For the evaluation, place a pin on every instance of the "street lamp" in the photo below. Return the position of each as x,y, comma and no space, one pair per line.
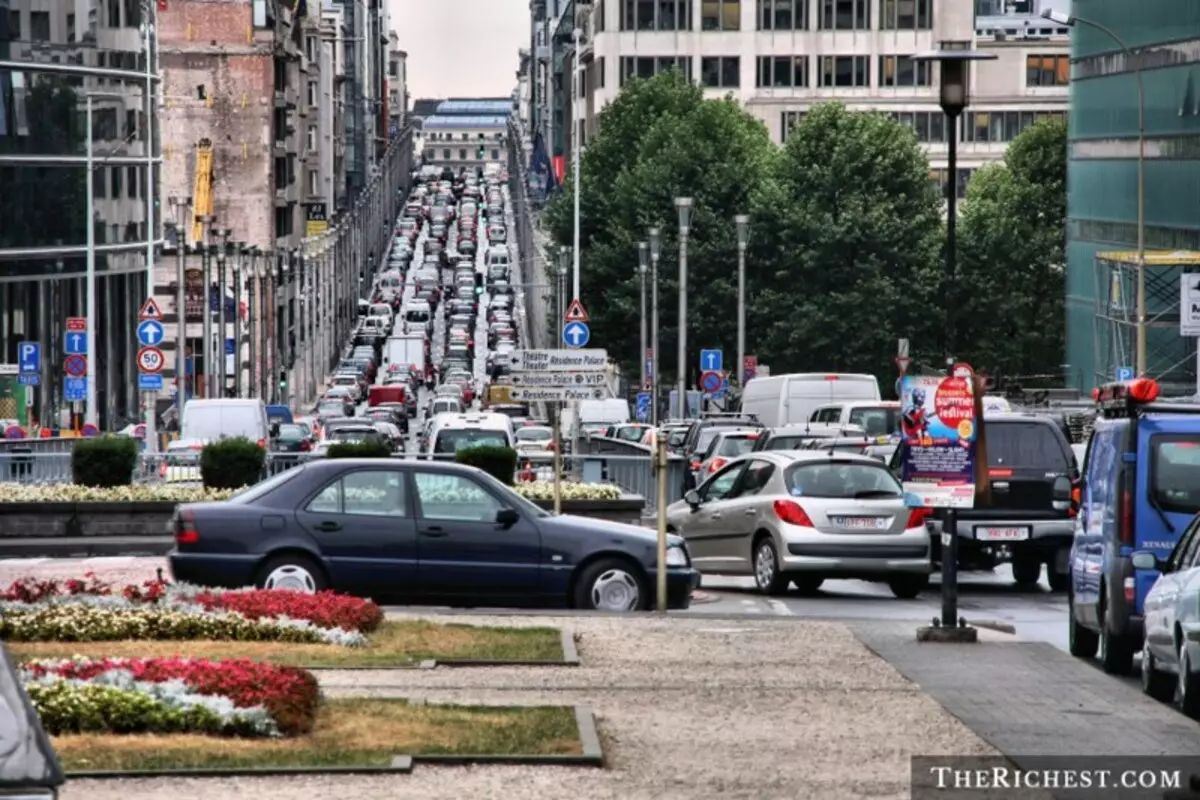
655,251
564,258
643,268
577,34
742,221
1135,63
954,97
684,206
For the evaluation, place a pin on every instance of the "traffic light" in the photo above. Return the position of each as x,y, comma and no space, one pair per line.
283,379
478,284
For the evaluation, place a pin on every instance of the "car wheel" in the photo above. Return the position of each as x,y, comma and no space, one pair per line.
1155,682
766,568
906,587
1116,654
1026,572
807,585
1082,643
611,585
1187,689
293,573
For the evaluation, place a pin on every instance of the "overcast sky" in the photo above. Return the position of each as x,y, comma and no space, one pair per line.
461,48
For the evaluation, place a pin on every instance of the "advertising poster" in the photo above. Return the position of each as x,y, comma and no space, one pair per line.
938,428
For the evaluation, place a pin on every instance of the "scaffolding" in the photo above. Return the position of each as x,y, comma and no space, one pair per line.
202,194
1170,359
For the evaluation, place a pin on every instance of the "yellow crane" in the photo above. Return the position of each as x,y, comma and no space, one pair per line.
202,198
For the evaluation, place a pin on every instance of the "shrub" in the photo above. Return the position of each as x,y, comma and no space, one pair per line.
104,461
499,462
359,450
231,463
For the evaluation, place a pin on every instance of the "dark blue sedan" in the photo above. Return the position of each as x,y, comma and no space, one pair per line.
420,531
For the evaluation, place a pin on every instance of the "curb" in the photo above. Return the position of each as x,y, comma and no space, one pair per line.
570,659
994,625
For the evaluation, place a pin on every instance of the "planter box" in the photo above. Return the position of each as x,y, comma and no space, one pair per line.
627,509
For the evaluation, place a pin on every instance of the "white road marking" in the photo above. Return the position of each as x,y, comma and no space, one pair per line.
779,607
22,562
747,602
109,561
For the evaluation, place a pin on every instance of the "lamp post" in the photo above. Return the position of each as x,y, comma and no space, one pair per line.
218,365
655,251
643,268
954,96
742,222
577,34
684,206
182,226
1135,63
239,266
564,258
252,287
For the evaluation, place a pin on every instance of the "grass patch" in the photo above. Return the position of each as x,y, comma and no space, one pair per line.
395,644
348,733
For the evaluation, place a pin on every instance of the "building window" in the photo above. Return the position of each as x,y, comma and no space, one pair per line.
721,15
131,180
114,180
845,15
954,44
495,155
446,155
649,66
783,15
598,17
928,126
600,68
937,177
14,25
782,71
655,15
844,71
720,72
314,182
312,138
310,50
39,26
462,154
903,71
114,13
463,136
1001,126
133,13
787,121
312,94
905,15
1047,70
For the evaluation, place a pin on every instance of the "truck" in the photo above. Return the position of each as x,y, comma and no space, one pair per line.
405,348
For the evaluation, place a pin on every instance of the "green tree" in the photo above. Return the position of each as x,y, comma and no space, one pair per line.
854,260
1011,271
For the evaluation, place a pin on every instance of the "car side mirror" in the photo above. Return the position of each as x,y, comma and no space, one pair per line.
507,517
692,498
1144,559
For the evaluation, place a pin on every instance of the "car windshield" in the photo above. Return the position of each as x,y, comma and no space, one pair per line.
843,480
876,421
735,446
353,435
453,440
291,432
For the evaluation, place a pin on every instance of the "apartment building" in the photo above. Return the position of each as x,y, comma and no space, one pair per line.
467,133
397,85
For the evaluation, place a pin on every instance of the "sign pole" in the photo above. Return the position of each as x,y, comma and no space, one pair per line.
90,411
558,459
660,570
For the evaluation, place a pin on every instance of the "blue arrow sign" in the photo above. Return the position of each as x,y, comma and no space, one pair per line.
643,407
75,343
712,360
149,333
576,334
29,357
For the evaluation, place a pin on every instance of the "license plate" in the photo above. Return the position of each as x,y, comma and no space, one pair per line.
1016,533
860,523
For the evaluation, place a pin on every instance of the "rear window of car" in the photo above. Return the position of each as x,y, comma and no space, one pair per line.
877,421
1020,445
787,442
735,446
841,480
1175,472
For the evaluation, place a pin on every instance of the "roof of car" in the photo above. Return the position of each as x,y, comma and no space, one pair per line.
786,457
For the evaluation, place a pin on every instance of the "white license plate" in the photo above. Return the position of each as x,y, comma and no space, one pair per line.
861,523
1015,533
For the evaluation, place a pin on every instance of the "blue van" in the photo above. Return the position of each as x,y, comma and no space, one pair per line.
1141,489
279,415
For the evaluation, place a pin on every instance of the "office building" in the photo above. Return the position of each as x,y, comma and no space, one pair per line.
397,85
465,133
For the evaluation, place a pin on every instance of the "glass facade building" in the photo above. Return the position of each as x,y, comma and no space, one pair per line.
54,56
1163,37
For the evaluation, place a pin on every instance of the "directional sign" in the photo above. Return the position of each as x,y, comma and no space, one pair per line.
576,334
595,360
75,390
642,409
711,382
576,312
150,310
151,359
149,333
74,343
75,365
150,381
712,360
77,324
576,379
29,357
1124,373
558,393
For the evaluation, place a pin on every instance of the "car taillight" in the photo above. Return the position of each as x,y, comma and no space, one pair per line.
917,517
1126,524
185,528
789,511
1000,473
695,465
716,464
550,445
305,445
1076,499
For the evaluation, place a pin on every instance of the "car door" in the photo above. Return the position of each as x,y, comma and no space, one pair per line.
704,528
740,510
1163,600
463,551
364,527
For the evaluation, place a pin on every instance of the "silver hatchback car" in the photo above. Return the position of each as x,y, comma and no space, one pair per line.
803,516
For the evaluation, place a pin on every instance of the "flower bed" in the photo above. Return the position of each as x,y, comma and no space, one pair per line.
544,490
171,695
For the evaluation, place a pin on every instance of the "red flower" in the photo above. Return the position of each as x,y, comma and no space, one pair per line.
323,609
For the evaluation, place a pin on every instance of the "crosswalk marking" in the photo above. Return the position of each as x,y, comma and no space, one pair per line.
779,607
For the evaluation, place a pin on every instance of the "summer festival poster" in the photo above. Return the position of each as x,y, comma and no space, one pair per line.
938,429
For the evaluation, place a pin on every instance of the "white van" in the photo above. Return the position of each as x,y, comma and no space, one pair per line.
876,418
789,399
417,311
496,256
445,405
454,432
206,421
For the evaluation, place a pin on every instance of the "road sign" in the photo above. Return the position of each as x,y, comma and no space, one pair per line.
902,348
75,365
29,379
576,312
151,359
1124,373
556,393
712,360
710,382
576,334
150,310
29,357
577,379
75,390
149,333
89,429
150,381
594,360
902,363
749,369
642,408
77,324
74,343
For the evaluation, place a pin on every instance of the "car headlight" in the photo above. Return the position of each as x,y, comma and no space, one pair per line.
676,557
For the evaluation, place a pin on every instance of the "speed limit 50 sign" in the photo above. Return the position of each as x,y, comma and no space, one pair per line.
151,359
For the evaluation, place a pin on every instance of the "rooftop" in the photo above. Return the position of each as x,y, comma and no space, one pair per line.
482,107
463,121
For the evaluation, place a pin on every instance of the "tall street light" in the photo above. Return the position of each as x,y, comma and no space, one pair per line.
655,251
576,103
643,268
684,206
742,221
954,97
564,259
1135,63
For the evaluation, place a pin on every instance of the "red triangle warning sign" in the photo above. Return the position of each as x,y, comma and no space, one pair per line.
575,312
150,310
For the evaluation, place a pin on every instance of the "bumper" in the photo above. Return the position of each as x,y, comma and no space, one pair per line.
201,569
680,583
862,563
